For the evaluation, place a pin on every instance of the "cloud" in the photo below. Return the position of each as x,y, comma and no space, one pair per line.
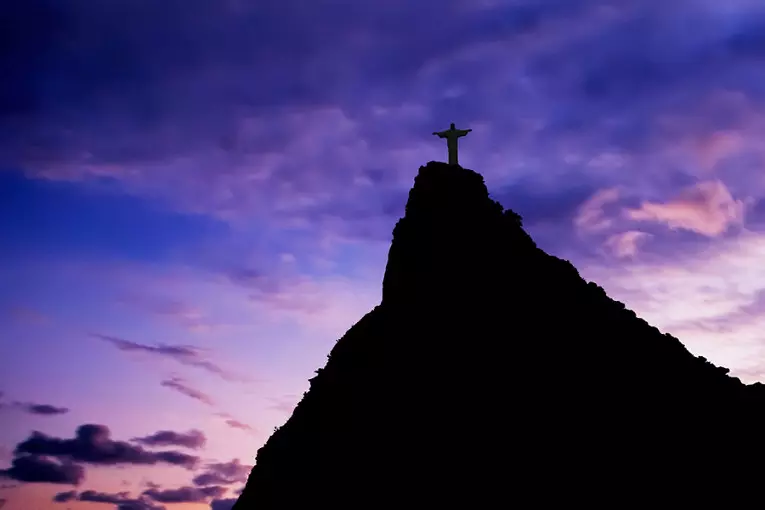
139,504
606,94
122,500
706,208
268,139
103,497
186,494
33,408
223,504
64,497
40,469
181,386
626,244
193,439
43,409
92,444
223,473
236,424
591,217
184,354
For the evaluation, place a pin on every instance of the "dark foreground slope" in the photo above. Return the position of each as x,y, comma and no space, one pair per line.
492,374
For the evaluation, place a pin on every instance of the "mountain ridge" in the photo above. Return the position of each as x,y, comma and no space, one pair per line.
487,358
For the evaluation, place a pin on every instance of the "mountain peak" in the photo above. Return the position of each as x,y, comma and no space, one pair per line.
450,223
492,373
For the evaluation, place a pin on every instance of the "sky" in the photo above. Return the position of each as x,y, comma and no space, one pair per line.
197,198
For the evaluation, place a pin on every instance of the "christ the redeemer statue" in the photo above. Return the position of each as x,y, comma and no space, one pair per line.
451,136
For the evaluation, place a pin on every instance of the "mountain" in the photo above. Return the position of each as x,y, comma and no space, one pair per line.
492,374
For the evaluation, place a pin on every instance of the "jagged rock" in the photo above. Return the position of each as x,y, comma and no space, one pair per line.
492,374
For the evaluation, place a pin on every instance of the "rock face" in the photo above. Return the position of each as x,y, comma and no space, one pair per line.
492,374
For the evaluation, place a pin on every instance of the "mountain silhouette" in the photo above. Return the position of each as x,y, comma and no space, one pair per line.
492,374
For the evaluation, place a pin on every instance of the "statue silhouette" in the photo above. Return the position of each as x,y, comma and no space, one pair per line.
451,135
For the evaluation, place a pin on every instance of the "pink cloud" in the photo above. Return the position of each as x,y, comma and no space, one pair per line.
591,216
626,244
707,208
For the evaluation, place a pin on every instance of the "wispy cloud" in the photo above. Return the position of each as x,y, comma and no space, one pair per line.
184,354
181,386
32,408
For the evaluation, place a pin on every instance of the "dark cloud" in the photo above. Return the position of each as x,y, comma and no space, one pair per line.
103,497
222,504
192,95
121,500
63,497
184,354
194,439
149,484
186,494
139,504
33,408
39,469
42,409
548,77
92,444
223,473
182,387
236,424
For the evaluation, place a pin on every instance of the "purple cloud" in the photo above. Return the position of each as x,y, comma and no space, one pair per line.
40,469
223,473
32,408
65,497
184,354
182,387
44,409
186,494
193,439
223,504
121,500
103,497
93,444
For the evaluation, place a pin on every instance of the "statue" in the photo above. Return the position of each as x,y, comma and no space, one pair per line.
451,136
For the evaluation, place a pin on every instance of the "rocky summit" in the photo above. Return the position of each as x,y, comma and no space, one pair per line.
492,374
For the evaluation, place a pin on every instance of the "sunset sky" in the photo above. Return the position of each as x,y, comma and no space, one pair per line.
197,198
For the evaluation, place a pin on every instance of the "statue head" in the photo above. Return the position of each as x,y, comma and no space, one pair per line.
452,126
